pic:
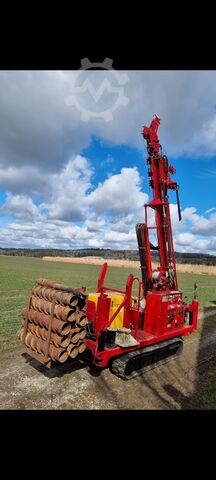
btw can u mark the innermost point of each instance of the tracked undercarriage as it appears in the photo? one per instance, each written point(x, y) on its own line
point(141, 360)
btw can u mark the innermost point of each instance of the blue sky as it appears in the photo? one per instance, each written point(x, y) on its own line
point(73, 170)
point(192, 175)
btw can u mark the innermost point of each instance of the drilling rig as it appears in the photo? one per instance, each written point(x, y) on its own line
point(128, 333)
point(132, 335)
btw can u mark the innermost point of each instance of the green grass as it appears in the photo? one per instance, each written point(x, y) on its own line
point(19, 274)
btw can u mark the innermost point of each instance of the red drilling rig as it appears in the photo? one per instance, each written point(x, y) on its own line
point(132, 335)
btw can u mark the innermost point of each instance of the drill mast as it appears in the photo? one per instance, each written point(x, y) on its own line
point(159, 171)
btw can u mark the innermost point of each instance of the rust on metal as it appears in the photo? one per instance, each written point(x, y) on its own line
point(27, 339)
point(81, 303)
point(82, 347)
point(53, 322)
point(22, 336)
point(38, 332)
point(45, 282)
point(72, 350)
point(41, 358)
point(33, 342)
point(57, 340)
point(58, 286)
point(60, 341)
point(49, 330)
point(43, 306)
point(82, 333)
point(55, 353)
point(58, 326)
point(82, 319)
point(75, 338)
point(64, 313)
point(59, 354)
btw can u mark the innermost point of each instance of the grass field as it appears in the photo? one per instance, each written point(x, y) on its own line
point(19, 274)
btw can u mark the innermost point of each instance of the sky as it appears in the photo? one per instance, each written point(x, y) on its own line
point(73, 170)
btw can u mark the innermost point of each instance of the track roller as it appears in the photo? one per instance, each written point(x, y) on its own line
point(141, 360)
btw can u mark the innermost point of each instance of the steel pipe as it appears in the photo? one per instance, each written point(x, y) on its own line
point(82, 333)
point(75, 337)
point(82, 347)
point(58, 326)
point(73, 350)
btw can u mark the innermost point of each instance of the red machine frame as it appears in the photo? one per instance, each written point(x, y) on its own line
point(165, 314)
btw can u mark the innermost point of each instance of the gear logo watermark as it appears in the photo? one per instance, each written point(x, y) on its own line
point(98, 101)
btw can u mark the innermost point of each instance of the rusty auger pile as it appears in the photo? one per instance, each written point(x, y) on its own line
point(54, 322)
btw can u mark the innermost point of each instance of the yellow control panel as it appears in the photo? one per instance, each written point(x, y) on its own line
point(116, 300)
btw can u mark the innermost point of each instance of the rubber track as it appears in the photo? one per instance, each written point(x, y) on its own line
point(120, 366)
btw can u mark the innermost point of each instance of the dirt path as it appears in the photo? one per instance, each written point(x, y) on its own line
point(26, 385)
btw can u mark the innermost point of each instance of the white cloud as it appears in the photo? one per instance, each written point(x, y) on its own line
point(70, 218)
point(119, 194)
point(68, 191)
point(24, 179)
point(36, 127)
point(21, 207)
point(199, 224)
point(199, 232)
point(38, 130)
point(41, 138)
point(30, 232)
point(118, 237)
point(95, 243)
point(185, 239)
point(44, 234)
point(210, 210)
point(206, 138)
point(78, 214)
point(95, 224)
point(123, 223)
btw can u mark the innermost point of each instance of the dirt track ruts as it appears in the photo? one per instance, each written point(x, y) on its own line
point(25, 384)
